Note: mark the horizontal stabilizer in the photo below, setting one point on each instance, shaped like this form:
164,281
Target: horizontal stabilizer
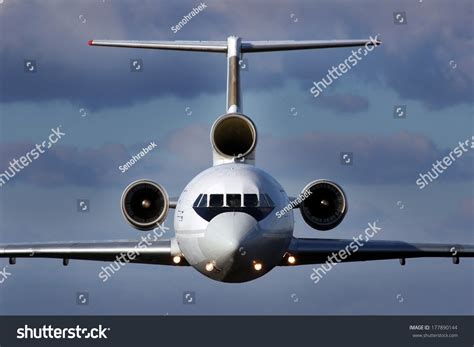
269,46
246,46
202,46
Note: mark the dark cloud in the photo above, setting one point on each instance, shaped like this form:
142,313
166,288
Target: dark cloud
344,103
190,145
397,158
67,165
454,217
67,68
187,151
413,62
414,59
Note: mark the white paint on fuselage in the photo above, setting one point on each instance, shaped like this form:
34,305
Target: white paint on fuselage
233,241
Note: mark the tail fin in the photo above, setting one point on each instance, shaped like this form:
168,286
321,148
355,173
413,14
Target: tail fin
235,47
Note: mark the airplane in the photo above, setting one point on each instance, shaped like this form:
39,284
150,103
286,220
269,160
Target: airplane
232,222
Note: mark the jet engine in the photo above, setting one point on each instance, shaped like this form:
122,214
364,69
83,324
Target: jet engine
145,204
325,205
233,135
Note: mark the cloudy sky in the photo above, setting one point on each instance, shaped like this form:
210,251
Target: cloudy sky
108,112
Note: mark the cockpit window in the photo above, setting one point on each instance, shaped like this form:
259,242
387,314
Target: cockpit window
203,202
216,200
208,206
269,200
196,203
234,200
265,201
250,200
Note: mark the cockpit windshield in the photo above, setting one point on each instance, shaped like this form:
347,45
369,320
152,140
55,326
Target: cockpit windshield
216,200
250,200
234,200
210,205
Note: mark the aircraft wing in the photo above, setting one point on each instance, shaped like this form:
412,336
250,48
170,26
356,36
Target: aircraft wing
137,251
317,251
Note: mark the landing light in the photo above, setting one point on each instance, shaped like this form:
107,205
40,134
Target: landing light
176,259
209,267
291,259
257,266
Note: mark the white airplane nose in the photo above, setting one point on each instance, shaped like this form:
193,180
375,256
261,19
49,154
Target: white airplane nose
227,235
235,249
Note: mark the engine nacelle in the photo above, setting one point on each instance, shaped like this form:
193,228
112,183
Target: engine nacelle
233,138
325,207
145,204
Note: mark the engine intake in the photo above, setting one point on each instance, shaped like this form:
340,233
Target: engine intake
233,135
145,204
325,207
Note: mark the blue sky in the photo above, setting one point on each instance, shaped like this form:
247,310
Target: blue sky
426,65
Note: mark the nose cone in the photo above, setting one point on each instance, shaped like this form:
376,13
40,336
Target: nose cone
229,243
226,233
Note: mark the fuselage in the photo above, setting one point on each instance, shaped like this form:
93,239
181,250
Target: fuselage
226,224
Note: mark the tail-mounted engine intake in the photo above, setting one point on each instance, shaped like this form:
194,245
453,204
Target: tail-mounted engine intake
233,138
325,207
145,204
